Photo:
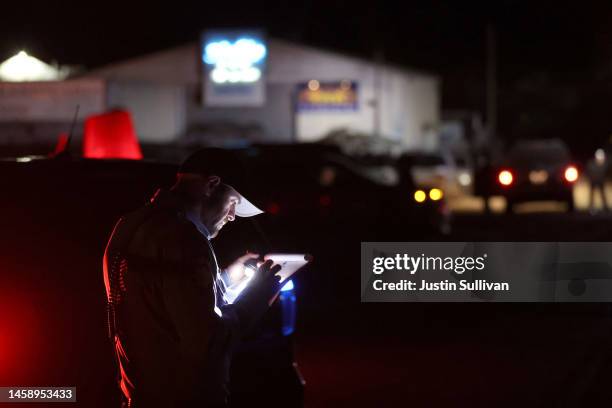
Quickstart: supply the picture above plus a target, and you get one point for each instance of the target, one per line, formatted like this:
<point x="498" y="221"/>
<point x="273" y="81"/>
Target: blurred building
<point x="37" y="103"/>
<point x="26" y="68"/>
<point x="307" y="93"/>
<point x="292" y="93"/>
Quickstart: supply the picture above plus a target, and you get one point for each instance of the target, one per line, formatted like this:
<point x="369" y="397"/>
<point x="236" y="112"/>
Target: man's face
<point x="220" y="208"/>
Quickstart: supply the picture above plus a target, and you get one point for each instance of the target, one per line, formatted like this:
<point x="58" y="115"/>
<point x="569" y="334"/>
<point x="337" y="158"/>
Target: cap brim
<point x="246" y="209"/>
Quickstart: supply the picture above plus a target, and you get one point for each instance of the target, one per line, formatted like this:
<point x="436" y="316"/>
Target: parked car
<point x="452" y="174"/>
<point x="532" y="170"/>
<point x="325" y="190"/>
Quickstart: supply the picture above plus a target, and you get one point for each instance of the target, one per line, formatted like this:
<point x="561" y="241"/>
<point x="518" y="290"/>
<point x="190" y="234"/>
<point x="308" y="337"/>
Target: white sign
<point x="233" y="68"/>
<point x="235" y="62"/>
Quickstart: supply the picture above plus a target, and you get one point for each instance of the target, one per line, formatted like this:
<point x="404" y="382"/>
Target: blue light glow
<point x="243" y="52"/>
<point x="235" y="62"/>
<point x="288" y="305"/>
<point x="288" y="286"/>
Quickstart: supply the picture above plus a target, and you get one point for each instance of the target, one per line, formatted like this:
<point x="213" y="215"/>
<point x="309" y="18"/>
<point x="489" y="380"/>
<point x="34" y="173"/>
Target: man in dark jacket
<point x="169" y="319"/>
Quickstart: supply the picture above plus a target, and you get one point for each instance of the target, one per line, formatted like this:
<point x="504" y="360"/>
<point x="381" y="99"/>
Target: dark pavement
<point x="472" y="355"/>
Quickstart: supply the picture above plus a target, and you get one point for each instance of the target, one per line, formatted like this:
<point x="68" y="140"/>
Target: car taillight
<point x="571" y="174"/>
<point x="505" y="178"/>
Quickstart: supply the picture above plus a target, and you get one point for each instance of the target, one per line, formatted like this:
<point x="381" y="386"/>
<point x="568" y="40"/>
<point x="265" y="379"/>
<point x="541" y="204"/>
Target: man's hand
<point x="260" y="292"/>
<point x="262" y="289"/>
<point x="266" y="271"/>
<point x="236" y="271"/>
<point x="265" y="280"/>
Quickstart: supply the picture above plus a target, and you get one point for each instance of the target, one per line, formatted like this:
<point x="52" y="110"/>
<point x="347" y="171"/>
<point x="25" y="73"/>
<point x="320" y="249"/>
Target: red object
<point x="273" y="208"/>
<point x="20" y="336"/>
<point x="111" y="136"/>
<point x="325" y="201"/>
<point x="570" y="174"/>
<point x="62" y="143"/>
<point x="505" y="178"/>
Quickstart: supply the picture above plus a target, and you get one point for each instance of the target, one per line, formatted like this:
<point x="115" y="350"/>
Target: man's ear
<point x="211" y="183"/>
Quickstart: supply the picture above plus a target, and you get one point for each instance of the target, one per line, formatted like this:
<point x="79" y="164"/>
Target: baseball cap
<point x="229" y="167"/>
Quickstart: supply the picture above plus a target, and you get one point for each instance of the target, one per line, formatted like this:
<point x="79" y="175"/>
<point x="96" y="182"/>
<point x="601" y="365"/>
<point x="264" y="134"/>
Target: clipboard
<point x="290" y="263"/>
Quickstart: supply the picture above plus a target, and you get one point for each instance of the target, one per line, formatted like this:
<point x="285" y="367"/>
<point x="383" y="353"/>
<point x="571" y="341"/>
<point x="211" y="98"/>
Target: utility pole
<point x="491" y="82"/>
<point x="376" y="102"/>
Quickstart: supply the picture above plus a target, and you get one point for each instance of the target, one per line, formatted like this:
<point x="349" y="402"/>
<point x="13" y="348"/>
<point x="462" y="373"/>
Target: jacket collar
<point x="174" y="200"/>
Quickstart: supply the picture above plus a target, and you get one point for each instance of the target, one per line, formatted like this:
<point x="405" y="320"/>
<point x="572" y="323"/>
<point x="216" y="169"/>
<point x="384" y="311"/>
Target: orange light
<point x="571" y="174"/>
<point x="505" y="178"/>
<point x="313" y="85"/>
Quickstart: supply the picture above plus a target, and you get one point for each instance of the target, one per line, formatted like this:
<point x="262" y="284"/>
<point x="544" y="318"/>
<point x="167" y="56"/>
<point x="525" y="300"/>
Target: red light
<point x="273" y="208"/>
<point x="505" y="177"/>
<point x="111" y="136"/>
<point x="325" y="201"/>
<point x="571" y="174"/>
<point x="20" y="336"/>
<point x="62" y="144"/>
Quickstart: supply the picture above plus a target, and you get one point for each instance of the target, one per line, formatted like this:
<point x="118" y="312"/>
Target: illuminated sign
<point x="316" y="95"/>
<point x="233" y="64"/>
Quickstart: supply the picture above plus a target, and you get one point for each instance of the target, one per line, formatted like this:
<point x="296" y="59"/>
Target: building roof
<point x="26" y="68"/>
<point x="287" y="63"/>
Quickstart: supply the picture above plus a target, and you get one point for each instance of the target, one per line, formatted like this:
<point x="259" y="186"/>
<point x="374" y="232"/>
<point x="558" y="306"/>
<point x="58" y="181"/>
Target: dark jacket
<point x="163" y="284"/>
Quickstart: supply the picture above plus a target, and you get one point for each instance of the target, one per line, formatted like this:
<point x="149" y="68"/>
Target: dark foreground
<point x="477" y="355"/>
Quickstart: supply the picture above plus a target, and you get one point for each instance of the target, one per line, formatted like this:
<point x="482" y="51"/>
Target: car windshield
<point x="532" y="153"/>
<point x="423" y="160"/>
<point x="302" y="167"/>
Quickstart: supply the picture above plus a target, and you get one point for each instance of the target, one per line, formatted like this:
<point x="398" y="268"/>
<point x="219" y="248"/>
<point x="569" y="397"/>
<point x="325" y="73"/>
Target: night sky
<point x="554" y="60"/>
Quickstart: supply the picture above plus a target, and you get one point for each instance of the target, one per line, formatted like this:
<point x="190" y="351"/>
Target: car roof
<point x="541" y="144"/>
<point x="45" y="167"/>
<point x="421" y="159"/>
